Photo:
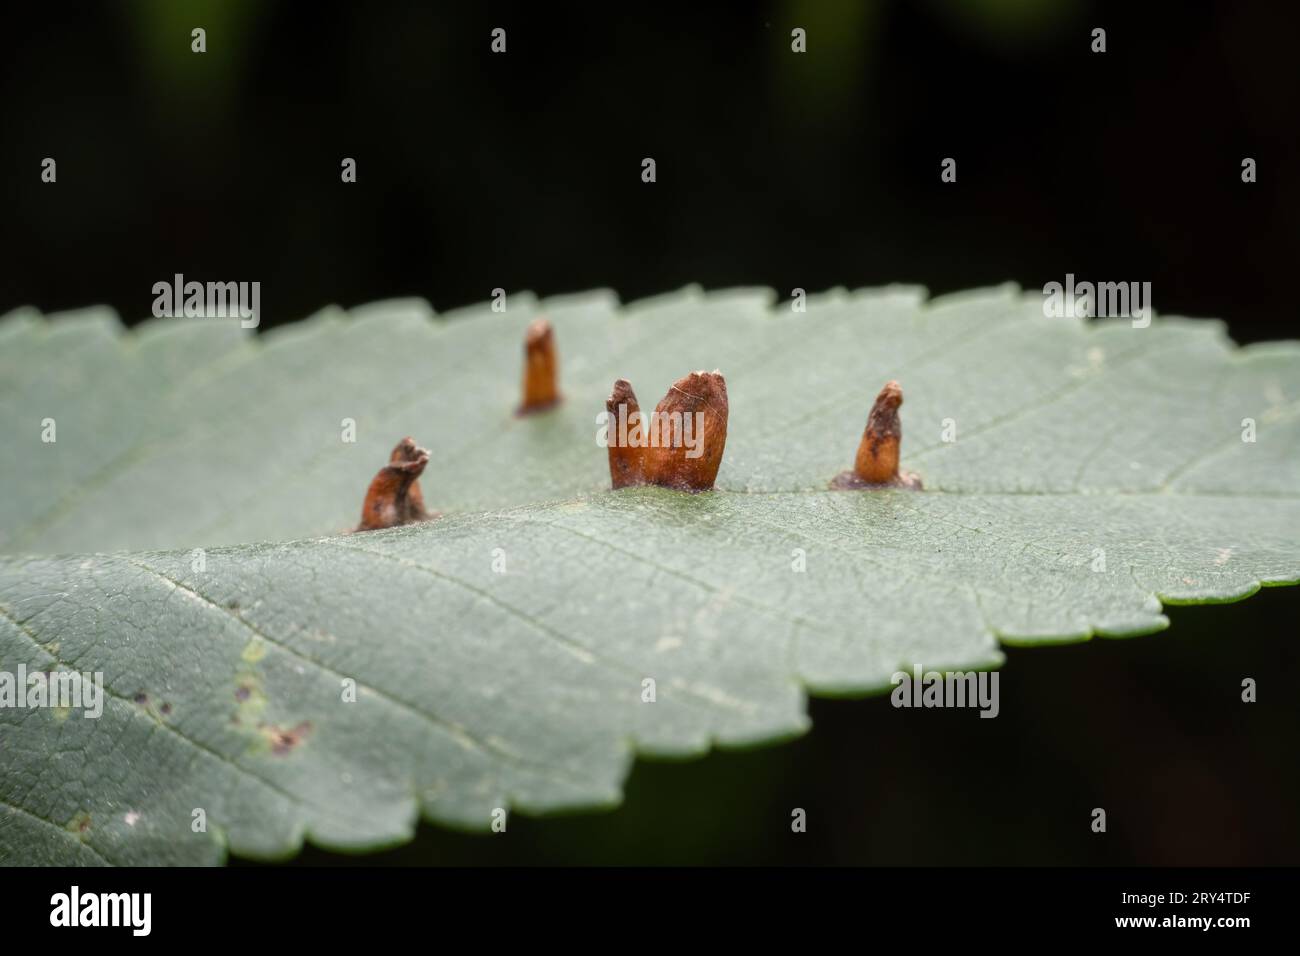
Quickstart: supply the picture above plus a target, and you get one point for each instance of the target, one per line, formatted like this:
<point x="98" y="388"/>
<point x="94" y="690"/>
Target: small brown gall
<point x="626" y="461"/>
<point x="541" y="369"/>
<point x="394" y="497"/>
<point x="876" y="464"/>
<point x="683" y="444"/>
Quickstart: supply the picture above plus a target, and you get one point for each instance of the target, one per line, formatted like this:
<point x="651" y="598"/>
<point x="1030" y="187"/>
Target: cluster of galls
<point x="394" y="496"/>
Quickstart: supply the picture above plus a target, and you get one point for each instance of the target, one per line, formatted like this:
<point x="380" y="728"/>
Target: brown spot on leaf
<point x="284" y="740"/>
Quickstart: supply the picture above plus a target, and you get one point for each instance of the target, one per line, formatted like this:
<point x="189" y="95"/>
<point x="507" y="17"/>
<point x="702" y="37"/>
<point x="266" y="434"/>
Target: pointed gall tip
<point x="394" y="497"/>
<point x="541" y="389"/>
<point x="876" y="463"/>
<point x="538" y="331"/>
<point x="620" y="394"/>
<point x="407" y="450"/>
<point x="891" y="396"/>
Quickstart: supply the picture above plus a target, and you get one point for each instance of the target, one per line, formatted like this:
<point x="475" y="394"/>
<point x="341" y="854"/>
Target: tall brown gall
<point x="394" y="497"/>
<point x="876" y="464"/>
<point x="681" y="446"/>
<point x="691" y="432"/>
<point x="541" y="369"/>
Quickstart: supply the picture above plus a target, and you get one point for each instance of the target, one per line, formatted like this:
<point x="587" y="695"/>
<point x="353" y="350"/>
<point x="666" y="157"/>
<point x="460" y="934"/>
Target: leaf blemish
<point x="283" y="741"/>
<point x="876" y="463"/>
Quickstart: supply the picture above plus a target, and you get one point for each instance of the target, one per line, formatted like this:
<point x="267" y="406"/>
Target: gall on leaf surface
<point x="476" y="689"/>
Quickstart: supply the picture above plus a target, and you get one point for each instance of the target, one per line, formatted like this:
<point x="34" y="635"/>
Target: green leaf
<point x="476" y="690"/>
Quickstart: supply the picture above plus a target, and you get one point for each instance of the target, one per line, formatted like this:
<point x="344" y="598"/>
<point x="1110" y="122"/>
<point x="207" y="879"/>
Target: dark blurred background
<point x="522" y="171"/>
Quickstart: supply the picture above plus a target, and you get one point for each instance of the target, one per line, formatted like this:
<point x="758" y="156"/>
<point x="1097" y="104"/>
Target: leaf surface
<point x="1098" y="470"/>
